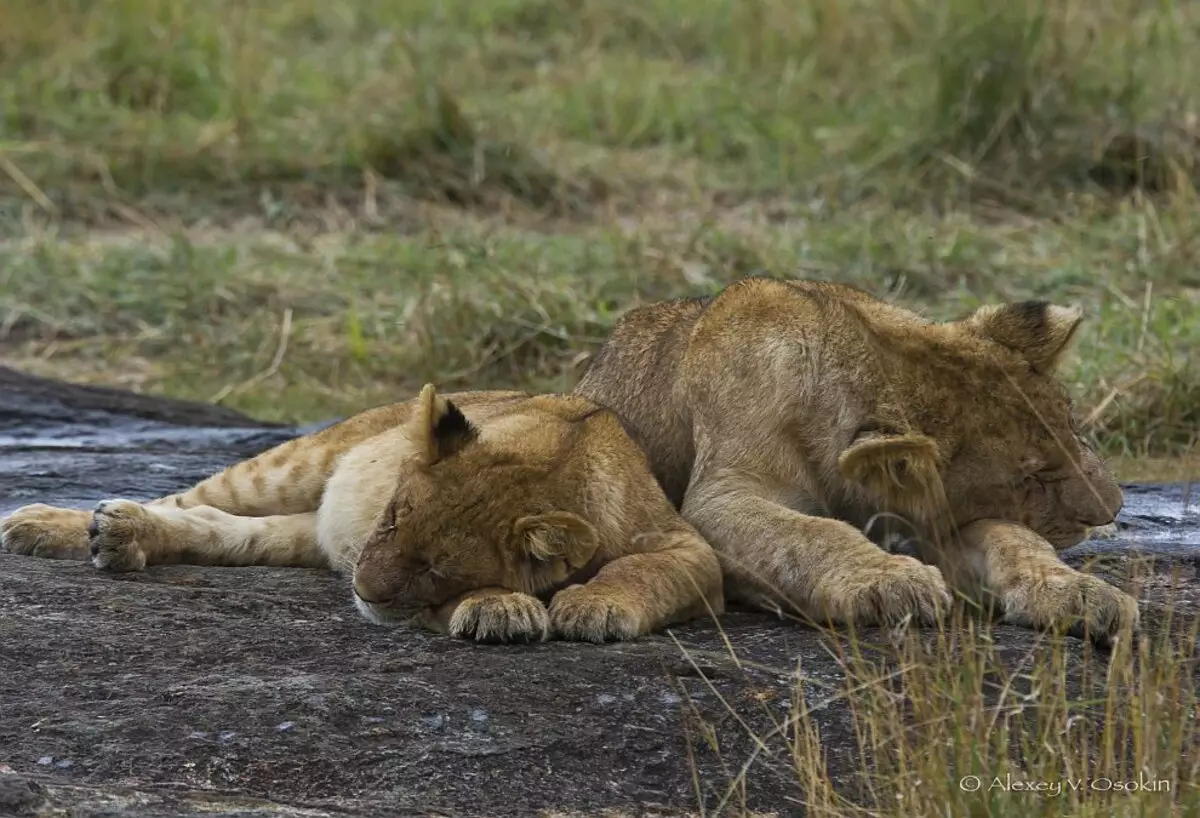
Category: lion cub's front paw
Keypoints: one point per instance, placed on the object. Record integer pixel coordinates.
(40, 530)
(118, 534)
(900, 589)
(1075, 603)
(581, 614)
(514, 617)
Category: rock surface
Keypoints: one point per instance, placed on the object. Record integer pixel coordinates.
(252, 691)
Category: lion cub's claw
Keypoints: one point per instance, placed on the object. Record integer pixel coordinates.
(580, 614)
(40, 530)
(514, 617)
(113, 535)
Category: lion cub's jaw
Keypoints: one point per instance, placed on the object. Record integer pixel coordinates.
(384, 613)
(453, 528)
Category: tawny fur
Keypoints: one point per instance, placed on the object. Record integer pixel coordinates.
(787, 418)
(466, 512)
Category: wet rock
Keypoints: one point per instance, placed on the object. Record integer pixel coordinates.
(62, 443)
(19, 795)
(189, 691)
(30, 402)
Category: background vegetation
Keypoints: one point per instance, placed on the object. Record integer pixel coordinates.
(305, 207)
(472, 192)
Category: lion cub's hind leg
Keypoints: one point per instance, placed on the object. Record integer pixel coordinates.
(285, 480)
(127, 536)
(672, 577)
(40, 530)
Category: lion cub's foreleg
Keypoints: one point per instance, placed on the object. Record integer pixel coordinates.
(1010, 564)
(816, 567)
(673, 576)
(128, 536)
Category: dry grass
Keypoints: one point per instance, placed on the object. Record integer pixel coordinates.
(954, 722)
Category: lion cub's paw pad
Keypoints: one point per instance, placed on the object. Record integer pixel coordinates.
(579, 614)
(113, 535)
(511, 617)
(40, 530)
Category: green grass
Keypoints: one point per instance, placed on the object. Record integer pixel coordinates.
(304, 208)
(473, 304)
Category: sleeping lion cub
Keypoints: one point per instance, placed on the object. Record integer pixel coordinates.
(464, 519)
(800, 424)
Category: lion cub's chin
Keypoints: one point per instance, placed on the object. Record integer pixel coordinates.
(384, 614)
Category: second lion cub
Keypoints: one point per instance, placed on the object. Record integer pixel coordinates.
(466, 514)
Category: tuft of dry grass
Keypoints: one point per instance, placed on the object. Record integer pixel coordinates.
(954, 722)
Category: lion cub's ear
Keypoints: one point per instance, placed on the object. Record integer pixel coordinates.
(1039, 330)
(898, 470)
(558, 535)
(440, 430)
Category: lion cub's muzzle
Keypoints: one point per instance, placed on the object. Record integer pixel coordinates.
(373, 593)
(378, 603)
(385, 612)
(365, 596)
(1098, 502)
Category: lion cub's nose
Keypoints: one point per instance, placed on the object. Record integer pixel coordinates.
(1104, 508)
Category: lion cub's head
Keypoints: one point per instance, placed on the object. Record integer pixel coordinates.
(986, 431)
(471, 513)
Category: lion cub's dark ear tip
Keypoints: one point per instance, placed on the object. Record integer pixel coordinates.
(452, 424)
